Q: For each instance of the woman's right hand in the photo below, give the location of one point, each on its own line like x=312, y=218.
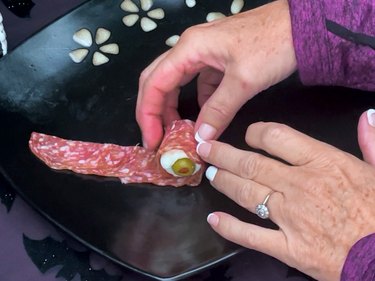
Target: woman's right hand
x=236, y=58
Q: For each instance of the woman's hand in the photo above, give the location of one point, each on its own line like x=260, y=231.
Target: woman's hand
x=322, y=201
x=236, y=58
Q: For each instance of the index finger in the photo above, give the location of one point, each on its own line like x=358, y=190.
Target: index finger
x=157, y=88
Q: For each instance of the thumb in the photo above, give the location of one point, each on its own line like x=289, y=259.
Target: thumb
x=221, y=107
x=366, y=136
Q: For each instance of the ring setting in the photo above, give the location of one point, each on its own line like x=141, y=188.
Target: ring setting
x=262, y=210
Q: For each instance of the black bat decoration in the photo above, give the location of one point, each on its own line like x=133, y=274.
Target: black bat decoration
x=7, y=194
x=20, y=8
x=48, y=253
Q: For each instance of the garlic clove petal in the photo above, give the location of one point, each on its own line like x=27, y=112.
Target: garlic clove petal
x=112, y=49
x=102, y=35
x=78, y=55
x=156, y=14
x=83, y=37
x=99, y=59
x=148, y=24
x=130, y=20
x=129, y=6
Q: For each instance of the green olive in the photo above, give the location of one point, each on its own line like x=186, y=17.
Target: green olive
x=183, y=167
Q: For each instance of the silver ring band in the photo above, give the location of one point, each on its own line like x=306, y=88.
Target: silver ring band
x=261, y=209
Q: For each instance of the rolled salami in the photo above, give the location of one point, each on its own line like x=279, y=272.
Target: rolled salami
x=175, y=163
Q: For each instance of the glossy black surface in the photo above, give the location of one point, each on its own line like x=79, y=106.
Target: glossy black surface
x=20, y=8
x=159, y=231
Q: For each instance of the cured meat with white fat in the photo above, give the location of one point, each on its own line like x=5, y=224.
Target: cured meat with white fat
x=132, y=164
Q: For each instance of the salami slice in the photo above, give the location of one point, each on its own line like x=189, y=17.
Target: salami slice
x=132, y=164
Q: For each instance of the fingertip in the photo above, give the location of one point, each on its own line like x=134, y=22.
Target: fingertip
x=366, y=136
x=150, y=144
x=221, y=106
x=363, y=128
x=211, y=173
x=152, y=133
x=203, y=149
x=213, y=219
x=205, y=132
x=198, y=138
x=208, y=127
x=370, y=114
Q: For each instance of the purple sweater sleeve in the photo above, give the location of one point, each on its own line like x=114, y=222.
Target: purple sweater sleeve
x=334, y=42
x=360, y=263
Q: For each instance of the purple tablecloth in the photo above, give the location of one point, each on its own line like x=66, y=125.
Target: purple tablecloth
x=33, y=249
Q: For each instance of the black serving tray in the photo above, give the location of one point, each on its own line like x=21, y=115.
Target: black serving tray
x=160, y=232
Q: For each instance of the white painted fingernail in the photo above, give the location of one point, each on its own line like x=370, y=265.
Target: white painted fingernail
x=197, y=148
x=203, y=149
x=213, y=219
x=211, y=173
x=371, y=117
x=198, y=138
x=206, y=132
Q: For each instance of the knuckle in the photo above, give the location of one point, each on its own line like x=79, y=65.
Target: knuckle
x=250, y=238
x=218, y=108
x=334, y=158
x=243, y=194
x=242, y=78
x=313, y=185
x=273, y=133
x=143, y=75
x=249, y=166
x=191, y=33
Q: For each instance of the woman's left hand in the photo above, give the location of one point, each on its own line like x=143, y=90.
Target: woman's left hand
x=322, y=201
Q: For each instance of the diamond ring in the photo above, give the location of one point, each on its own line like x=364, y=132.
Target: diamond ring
x=262, y=210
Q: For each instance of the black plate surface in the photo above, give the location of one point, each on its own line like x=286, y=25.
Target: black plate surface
x=159, y=231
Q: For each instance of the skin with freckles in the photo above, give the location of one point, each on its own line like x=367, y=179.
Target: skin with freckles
x=233, y=65
x=322, y=199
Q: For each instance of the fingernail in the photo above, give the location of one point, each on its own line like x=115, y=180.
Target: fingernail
x=213, y=219
x=198, y=138
x=144, y=144
x=205, y=132
x=371, y=117
x=203, y=149
x=211, y=173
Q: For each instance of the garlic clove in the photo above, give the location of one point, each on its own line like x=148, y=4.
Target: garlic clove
x=102, y=35
x=146, y=4
x=236, y=6
x=78, y=55
x=130, y=20
x=148, y=24
x=99, y=59
x=171, y=41
x=83, y=37
x=112, y=49
x=156, y=14
x=214, y=16
x=190, y=3
x=129, y=6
